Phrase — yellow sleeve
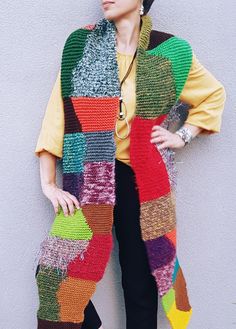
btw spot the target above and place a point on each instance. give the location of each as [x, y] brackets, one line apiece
[206, 95]
[52, 129]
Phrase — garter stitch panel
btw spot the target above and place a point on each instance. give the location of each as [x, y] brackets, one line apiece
[75, 253]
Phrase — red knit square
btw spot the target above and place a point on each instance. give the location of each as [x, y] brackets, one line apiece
[93, 263]
[147, 162]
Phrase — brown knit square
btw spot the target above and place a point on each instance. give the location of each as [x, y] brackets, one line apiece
[157, 217]
[99, 217]
[182, 301]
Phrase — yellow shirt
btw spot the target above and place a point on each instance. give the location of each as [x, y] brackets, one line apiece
[202, 90]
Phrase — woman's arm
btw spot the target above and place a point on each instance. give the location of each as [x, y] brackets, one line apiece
[169, 139]
[48, 183]
[207, 97]
[49, 149]
[52, 129]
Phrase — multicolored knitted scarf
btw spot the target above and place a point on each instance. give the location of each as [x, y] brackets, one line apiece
[75, 252]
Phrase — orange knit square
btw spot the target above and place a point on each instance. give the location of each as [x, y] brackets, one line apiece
[96, 114]
[172, 236]
[73, 296]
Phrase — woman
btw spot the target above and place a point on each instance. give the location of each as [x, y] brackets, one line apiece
[113, 73]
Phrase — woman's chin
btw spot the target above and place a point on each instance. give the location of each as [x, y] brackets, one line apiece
[109, 15]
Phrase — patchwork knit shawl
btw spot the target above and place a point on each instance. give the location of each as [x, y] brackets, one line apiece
[74, 254]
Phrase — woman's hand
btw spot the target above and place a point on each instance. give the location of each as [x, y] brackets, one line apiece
[57, 196]
[166, 138]
[60, 197]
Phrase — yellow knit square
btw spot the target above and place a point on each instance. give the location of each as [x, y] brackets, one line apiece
[178, 319]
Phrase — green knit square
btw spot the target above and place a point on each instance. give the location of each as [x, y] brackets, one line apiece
[48, 281]
[168, 300]
[154, 71]
[72, 227]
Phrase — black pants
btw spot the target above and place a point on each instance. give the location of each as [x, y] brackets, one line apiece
[139, 286]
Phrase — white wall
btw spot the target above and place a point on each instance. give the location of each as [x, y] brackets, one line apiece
[32, 37]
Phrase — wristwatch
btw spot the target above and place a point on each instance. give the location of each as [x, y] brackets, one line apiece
[185, 134]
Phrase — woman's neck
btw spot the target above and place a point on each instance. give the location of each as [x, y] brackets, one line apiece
[127, 33]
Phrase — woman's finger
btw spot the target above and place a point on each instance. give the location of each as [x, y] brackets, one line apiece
[63, 204]
[74, 199]
[158, 133]
[159, 139]
[70, 204]
[55, 204]
[163, 145]
[160, 128]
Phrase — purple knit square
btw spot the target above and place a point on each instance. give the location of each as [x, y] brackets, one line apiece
[161, 251]
[99, 183]
[72, 183]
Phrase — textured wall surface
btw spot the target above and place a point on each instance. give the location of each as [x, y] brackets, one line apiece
[32, 37]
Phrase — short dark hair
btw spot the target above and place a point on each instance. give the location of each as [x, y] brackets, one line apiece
[147, 5]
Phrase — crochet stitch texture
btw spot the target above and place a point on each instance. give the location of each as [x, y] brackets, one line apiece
[74, 255]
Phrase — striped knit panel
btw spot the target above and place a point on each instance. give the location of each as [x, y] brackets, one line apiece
[75, 253]
[159, 105]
